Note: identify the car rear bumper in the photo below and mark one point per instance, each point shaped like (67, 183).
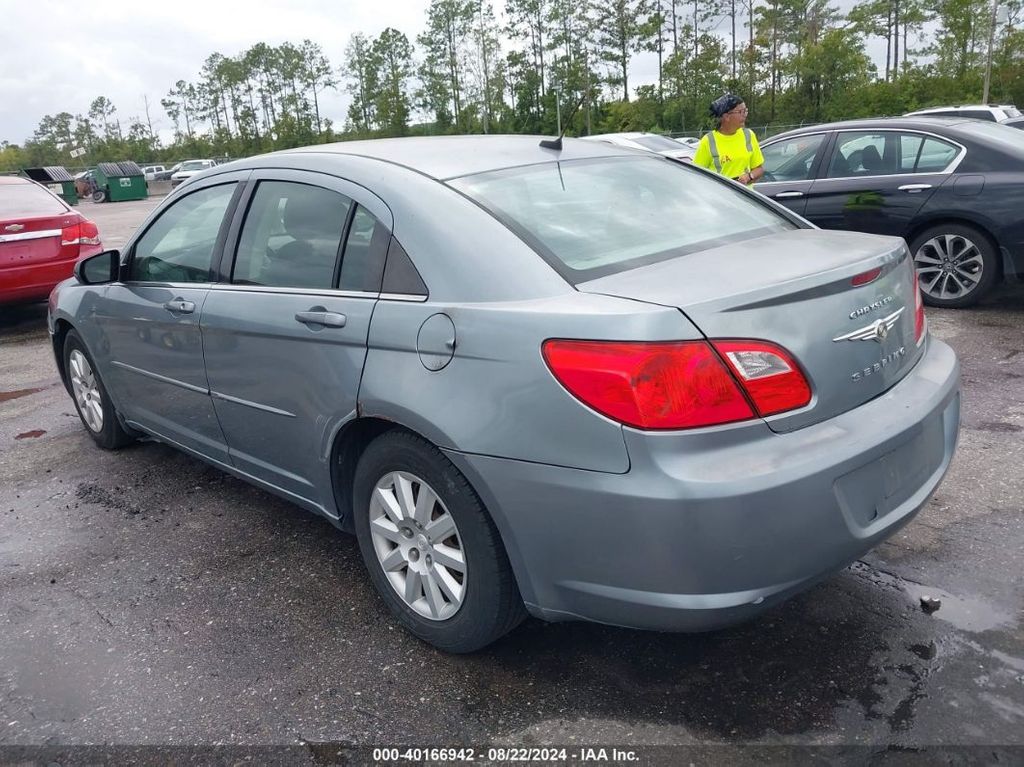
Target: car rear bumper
(20, 284)
(702, 533)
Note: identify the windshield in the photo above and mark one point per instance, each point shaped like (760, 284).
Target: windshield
(658, 143)
(1012, 111)
(195, 165)
(590, 218)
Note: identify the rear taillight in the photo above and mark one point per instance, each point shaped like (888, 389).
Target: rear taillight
(71, 235)
(769, 374)
(90, 233)
(919, 320)
(84, 232)
(672, 385)
(678, 384)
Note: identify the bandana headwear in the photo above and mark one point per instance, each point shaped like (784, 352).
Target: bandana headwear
(724, 104)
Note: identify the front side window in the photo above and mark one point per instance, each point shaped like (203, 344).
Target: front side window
(791, 159)
(179, 246)
(589, 218)
(291, 236)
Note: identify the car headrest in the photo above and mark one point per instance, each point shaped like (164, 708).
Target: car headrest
(871, 159)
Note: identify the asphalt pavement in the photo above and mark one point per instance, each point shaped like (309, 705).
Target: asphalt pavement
(147, 598)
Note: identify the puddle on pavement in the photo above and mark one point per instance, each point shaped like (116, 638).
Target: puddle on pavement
(966, 614)
(31, 434)
(9, 395)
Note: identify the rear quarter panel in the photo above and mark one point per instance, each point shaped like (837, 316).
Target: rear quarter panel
(496, 396)
(992, 201)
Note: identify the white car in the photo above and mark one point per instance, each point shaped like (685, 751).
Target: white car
(993, 113)
(689, 141)
(649, 142)
(189, 168)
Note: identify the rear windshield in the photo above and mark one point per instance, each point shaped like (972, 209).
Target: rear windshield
(1012, 111)
(591, 218)
(195, 165)
(1005, 137)
(657, 143)
(24, 200)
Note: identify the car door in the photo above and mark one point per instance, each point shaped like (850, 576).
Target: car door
(876, 181)
(285, 331)
(790, 165)
(150, 321)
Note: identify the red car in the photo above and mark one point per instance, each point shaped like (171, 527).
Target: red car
(41, 238)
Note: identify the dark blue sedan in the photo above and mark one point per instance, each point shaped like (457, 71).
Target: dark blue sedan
(953, 188)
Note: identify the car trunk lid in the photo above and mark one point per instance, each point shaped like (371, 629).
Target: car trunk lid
(798, 290)
(25, 241)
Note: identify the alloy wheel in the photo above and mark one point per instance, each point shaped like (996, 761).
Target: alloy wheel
(949, 266)
(418, 545)
(86, 390)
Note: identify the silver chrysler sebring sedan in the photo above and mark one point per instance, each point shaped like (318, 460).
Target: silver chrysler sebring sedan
(576, 381)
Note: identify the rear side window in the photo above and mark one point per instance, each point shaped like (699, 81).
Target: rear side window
(935, 156)
(291, 236)
(862, 153)
(589, 218)
(28, 201)
(179, 245)
(366, 247)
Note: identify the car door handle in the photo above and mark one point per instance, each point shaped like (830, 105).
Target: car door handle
(179, 306)
(914, 188)
(784, 195)
(327, 319)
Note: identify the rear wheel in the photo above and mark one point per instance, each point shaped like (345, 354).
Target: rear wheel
(100, 195)
(956, 265)
(91, 399)
(431, 549)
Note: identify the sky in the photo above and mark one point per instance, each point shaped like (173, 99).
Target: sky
(57, 56)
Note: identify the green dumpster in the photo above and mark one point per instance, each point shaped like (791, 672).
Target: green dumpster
(119, 181)
(56, 179)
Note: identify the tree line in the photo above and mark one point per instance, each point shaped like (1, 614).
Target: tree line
(543, 62)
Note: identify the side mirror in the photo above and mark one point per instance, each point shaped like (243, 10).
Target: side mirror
(99, 269)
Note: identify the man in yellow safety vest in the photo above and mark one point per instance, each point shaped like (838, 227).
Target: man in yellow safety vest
(731, 149)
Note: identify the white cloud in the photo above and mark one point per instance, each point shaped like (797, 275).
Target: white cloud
(59, 56)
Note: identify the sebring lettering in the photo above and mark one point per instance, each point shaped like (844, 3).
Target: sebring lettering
(877, 367)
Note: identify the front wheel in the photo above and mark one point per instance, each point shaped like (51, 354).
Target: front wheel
(431, 549)
(91, 399)
(956, 265)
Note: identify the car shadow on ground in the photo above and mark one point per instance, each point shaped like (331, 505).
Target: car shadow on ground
(21, 319)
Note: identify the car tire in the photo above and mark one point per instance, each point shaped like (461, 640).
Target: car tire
(957, 265)
(90, 396)
(100, 195)
(416, 570)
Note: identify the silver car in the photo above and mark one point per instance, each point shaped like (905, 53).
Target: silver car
(577, 383)
(648, 142)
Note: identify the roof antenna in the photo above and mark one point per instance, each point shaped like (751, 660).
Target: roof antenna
(556, 143)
